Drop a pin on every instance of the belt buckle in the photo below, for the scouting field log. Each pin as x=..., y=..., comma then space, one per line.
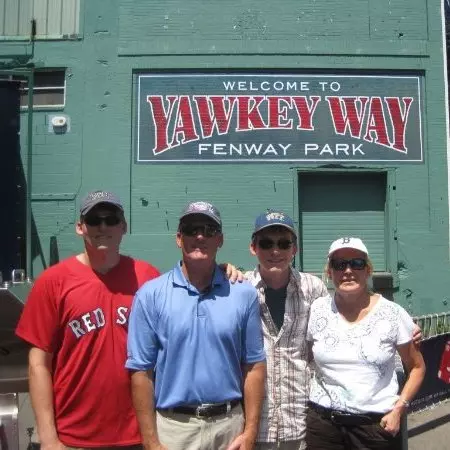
x=200, y=410
x=336, y=417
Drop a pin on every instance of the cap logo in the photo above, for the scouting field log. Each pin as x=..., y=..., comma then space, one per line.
x=345, y=240
x=99, y=195
x=201, y=206
x=275, y=216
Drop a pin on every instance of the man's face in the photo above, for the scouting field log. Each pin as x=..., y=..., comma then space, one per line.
x=275, y=248
x=199, y=238
x=102, y=228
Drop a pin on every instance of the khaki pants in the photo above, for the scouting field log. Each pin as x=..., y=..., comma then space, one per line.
x=288, y=445
x=183, y=432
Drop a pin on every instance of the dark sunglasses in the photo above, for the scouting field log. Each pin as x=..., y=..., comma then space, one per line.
x=354, y=263
x=205, y=230
x=282, y=244
x=95, y=221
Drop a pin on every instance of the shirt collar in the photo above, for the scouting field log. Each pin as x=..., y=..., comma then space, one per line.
x=259, y=283
x=179, y=279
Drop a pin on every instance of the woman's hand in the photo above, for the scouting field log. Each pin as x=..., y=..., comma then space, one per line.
x=391, y=421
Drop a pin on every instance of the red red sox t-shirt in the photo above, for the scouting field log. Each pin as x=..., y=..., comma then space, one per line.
x=81, y=316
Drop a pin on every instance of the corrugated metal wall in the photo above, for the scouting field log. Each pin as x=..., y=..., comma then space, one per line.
x=334, y=205
x=54, y=18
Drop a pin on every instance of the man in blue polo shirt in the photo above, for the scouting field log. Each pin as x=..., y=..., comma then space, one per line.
x=195, y=348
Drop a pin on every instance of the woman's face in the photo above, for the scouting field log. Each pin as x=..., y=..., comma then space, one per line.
x=349, y=271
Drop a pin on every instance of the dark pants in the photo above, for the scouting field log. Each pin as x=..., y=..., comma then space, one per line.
x=323, y=434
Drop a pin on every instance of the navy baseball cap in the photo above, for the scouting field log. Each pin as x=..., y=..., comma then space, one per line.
x=274, y=218
x=96, y=197
x=203, y=208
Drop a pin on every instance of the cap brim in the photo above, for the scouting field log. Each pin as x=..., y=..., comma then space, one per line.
x=116, y=205
x=351, y=247
x=197, y=213
x=276, y=225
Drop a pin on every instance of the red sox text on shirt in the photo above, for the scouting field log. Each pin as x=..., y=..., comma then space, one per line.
x=96, y=319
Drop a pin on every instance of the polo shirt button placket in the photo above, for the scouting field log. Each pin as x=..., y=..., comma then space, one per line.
x=200, y=306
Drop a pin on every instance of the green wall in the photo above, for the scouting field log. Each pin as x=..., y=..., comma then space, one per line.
x=121, y=37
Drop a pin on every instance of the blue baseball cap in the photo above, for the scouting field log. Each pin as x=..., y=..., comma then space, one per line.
x=273, y=218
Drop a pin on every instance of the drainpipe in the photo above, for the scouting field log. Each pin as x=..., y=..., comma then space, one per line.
x=29, y=177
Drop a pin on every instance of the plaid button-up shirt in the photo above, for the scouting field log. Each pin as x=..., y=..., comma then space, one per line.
x=288, y=377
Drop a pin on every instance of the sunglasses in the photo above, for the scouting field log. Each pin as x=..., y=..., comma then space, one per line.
x=95, y=221
x=354, y=263
x=205, y=230
x=282, y=244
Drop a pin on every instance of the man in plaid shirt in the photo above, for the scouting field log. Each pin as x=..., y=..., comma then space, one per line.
x=285, y=296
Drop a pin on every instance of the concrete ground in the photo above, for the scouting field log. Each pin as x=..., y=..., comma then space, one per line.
x=430, y=429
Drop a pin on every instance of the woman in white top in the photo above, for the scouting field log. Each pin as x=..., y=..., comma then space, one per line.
x=354, y=336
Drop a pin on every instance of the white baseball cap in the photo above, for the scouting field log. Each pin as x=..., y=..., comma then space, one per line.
x=348, y=242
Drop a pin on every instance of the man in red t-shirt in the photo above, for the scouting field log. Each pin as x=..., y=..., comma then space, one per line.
x=76, y=320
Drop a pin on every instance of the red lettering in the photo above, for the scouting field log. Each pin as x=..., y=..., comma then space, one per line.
x=278, y=112
x=161, y=118
x=347, y=114
x=249, y=116
x=376, y=125
x=184, y=123
x=214, y=114
x=399, y=120
x=305, y=111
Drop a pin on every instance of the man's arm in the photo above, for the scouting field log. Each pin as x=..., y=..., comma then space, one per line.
x=254, y=381
x=142, y=394
x=232, y=272
x=41, y=393
x=142, y=355
x=253, y=365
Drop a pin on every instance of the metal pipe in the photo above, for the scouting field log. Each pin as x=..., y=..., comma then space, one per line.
x=29, y=215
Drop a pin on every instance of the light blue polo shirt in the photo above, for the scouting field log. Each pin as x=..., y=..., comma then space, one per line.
x=196, y=342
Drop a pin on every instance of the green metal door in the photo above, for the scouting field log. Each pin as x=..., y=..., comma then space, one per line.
x=336, y=204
